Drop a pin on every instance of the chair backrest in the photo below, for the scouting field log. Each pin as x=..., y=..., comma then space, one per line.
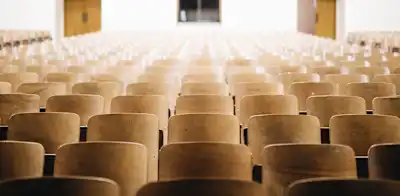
x=85, y=106
x=167, y=90
x=214, y=104
x=108, y=90
x=391, y=78
x=40, y=70
x=20, y=159
x=205, y=88
x=265, y=130
x=204, y=128
x=44, y=90
x=362, y=131
x=81, y=69
x=205, y=161
x=369, y=91
x=343, y=80
x=48, y=129
x=304, y=90
x=266, y=104
x=255, y=88
x=324, y=107
x=63, y=186
x=344, y=187
x=11, y=104
x=125, y=163
x=209, y=187
x=5, y=88
x=69, y=79
x=387, y=105
x=383, y=162
x=288, y=79
x=284, y=164
x=202, y=78
x=371, y=71
x=323, y=71
x=15, y=79
x=139, y=128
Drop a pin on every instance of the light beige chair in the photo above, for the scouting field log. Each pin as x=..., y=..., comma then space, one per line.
x=85, y=106
x=343, y=80
x=15, y=79
x=213, y=104
x=202, y=78
x=304, y=90
x=369, y=91
x=61, y=186
x=44, y=90
x=265, y=130
x=204, y=128
x=323, y=71
x=391, y=78
x=284, y=164
x=371, y=72
x=362, y=131
x=125, y=163
x=205, y=161
x=387, y=105
x=154, y=88
x=139, y=128
x=209, y=187
x=20, y=159
x=11, y=104
x=288, y=79
x=5, y=88
x=81, y=69
x=48, y=129
x=205, y=88
x=40, y=70
x=69, y=79
x=325, y=107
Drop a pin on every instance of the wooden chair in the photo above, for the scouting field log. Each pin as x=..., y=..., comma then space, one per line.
x=81, y=69
x=391, y=78
x=343, y=80
x=150, y=104
x=48, y=129
x=209, y=187
x=344, y=187
x=85, y=106
x=108, y=90
x=387, y=105
x=248, y=77
x=205, y=88
x=20, y=159
x=205, y=161
x=124, y=163
x=202, y=78
x=325, y=107
x=284, y=164
x=15, y=79
x=69, y=79
x=369, y=91
x=65, y=186
x=383, y=161
x=154, y=88
x=204, y=128
x=214, y=104
x=40, y=70
x=304, y=90
x=371, y=72
x=288, y=79
x=139, y=128
x=5, y=88
x=362, y=131
x=265, y=130
x=11, y=104
x=323, y=71
x=44, y=90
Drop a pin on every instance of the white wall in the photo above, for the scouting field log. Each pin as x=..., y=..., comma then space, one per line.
x=28, y=15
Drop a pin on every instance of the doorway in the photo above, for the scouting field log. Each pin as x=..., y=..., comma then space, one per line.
x=81, y=17
x=325, y=25
x=199, y=11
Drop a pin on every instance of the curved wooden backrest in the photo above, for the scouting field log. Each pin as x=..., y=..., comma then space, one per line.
x=205, y=161
x=323, y=71
x=20, y=159
x=85, y=106
x=387, y=105
x=44, y=90
x=284, y=69
x=324, y=107
x=154, y=88
x=391, y=78
x=125, y=163
x=266, y=104
x=288, y=79
x=205, y=88
x=48, y=129
x=369, y=91
x=108, y=90
x=11, y=104
x=15, y=79
x=362, y=131
x=80, y=69
x=139, y=128
x=203, y=187
x=344, y=187
x=65, y=186
x=204, y=128
x=304, y=90
x=264, y=130
x=383, y=161
x=371, y=71
x=214, y=104
x=40, y=70
x=284, y=164
x=5, y=88
x=202, y=78
x=249, y=77
x=343, y=80
x=69, y=79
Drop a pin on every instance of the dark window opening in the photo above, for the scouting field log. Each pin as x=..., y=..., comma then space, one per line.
x=199, y=11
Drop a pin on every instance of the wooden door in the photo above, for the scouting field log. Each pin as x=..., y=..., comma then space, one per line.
x=326, y=18
x=93, y=9
x=81, y=17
